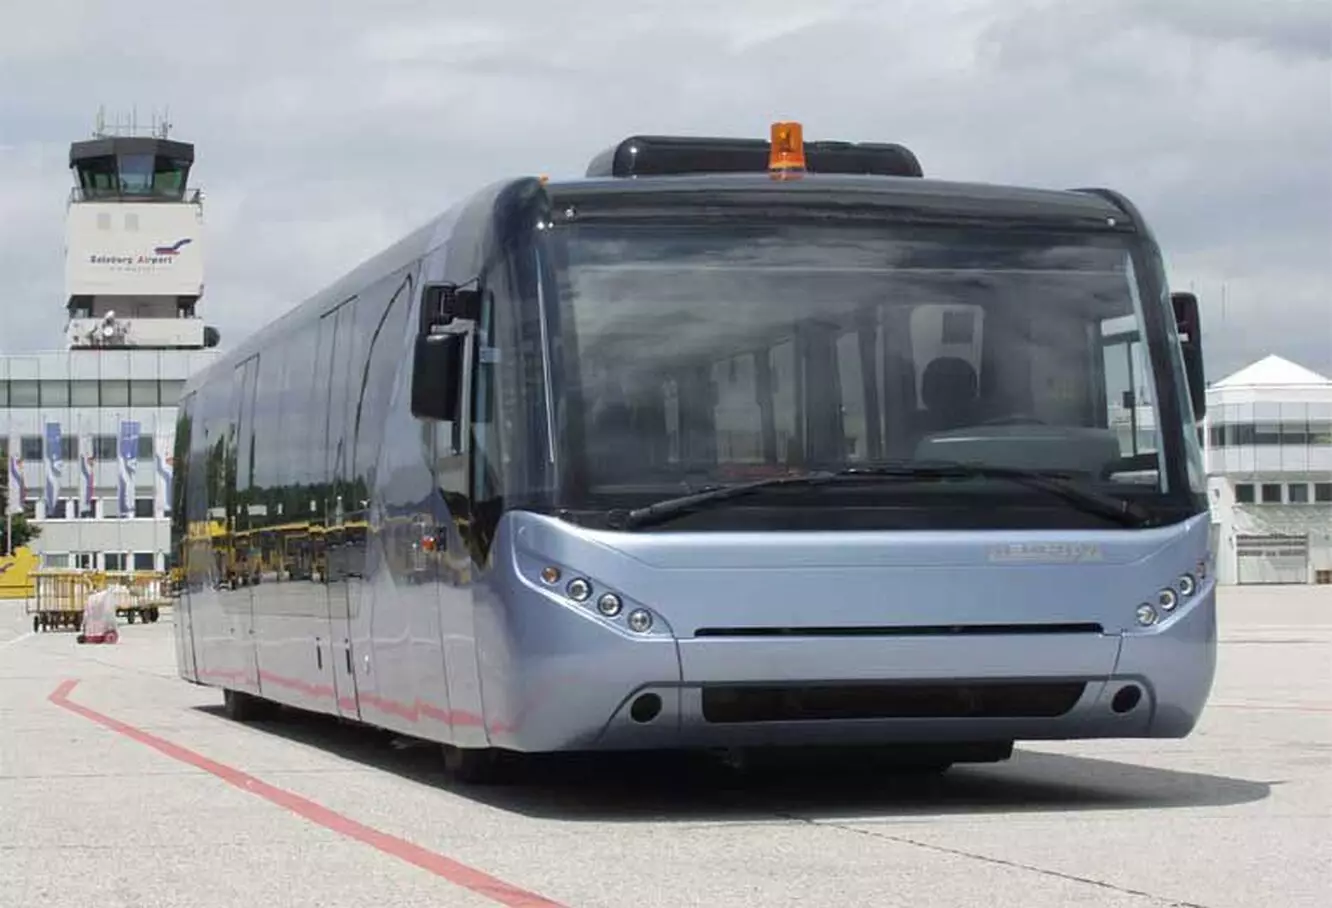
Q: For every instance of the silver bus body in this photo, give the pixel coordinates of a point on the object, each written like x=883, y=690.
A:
x=346, y=552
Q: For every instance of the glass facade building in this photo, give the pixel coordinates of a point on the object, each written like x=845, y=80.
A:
x=1268, y=452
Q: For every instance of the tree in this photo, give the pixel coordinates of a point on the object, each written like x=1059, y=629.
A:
x=23, y=531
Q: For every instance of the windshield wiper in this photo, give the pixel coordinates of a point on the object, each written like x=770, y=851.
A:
x=668, y=508
x=1087, y=500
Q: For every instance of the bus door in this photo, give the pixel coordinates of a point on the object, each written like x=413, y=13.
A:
x=342, y=506
x=182, y=543
x=238, y=602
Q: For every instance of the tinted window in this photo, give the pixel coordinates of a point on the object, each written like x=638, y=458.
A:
x=695, y=353
x=298, y=387
x=383, y=325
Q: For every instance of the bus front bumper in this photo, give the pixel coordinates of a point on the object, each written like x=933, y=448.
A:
x=756, y=691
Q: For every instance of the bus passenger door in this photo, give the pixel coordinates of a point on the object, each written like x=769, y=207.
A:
x=448, y=444
x=345, y=506
x=238, y=602
x=187, y=665
x=178, y=570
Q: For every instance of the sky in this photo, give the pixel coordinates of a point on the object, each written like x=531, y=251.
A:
x=323, y=135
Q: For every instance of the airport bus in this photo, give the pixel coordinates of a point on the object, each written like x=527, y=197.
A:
x=727, y=443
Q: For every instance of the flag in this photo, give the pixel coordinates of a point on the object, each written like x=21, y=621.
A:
x=16, y=490
x=86, y=484
x=129, y=466
x=55, y=466
x=166, y=465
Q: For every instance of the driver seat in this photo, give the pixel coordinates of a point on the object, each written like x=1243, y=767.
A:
x=950, y=390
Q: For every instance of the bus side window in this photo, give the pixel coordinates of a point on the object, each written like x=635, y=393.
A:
x=1128, y=400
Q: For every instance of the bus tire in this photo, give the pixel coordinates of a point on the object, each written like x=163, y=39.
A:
x=474, y=765
x=240, y=706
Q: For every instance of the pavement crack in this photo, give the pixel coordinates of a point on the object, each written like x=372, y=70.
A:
x=1001, y=862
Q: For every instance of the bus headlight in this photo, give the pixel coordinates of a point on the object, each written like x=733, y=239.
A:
x=579, y=590
x=1187, y=585
x=1146, y=615
x=609, y=605
x=640, y=620
x=1167, y=599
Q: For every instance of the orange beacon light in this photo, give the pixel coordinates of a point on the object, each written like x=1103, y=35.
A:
x=787, y=152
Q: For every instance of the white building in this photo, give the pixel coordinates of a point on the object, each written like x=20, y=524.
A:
x=1269, y=465
x=86, y=433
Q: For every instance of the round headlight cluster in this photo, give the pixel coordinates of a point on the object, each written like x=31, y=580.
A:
x=1169, y=598
x=608, y=604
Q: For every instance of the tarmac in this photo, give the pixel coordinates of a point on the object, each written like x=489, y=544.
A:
x=122, y=785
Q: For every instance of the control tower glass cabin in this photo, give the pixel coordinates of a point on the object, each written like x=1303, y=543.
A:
x=131, y=169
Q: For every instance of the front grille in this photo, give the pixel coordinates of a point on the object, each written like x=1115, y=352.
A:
x=905, y=630
x=725, y=704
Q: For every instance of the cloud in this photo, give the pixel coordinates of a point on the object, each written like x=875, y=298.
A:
x=321, y=138
x=1286, y=28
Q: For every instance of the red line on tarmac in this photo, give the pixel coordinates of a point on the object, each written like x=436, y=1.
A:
x=430, y=861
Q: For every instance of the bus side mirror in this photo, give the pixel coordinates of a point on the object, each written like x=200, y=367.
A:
x=439, y=360
x=437, y=375
x=1189, y=326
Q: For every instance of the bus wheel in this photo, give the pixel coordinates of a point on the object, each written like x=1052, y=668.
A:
x=240, y=706
x=474, y=766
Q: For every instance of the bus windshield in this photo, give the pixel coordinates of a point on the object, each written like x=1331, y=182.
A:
x=692, y=354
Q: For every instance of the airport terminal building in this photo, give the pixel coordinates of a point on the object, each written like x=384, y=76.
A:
x=1269, y=464
x=87, y=432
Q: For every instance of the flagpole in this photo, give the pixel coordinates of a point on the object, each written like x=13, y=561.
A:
x=9, y=507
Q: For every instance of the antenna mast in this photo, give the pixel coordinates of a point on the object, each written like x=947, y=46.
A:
x=127, y=125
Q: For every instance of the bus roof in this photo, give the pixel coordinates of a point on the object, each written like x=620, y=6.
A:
x=849, y=192
x=787, y=170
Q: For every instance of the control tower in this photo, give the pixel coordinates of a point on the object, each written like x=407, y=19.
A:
x=87, y=427
x=134, y=244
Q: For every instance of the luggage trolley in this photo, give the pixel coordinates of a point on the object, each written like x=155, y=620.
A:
x=149, y=592
x=58, y=599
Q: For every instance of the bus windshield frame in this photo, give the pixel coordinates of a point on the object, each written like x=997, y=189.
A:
x=819, y=309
